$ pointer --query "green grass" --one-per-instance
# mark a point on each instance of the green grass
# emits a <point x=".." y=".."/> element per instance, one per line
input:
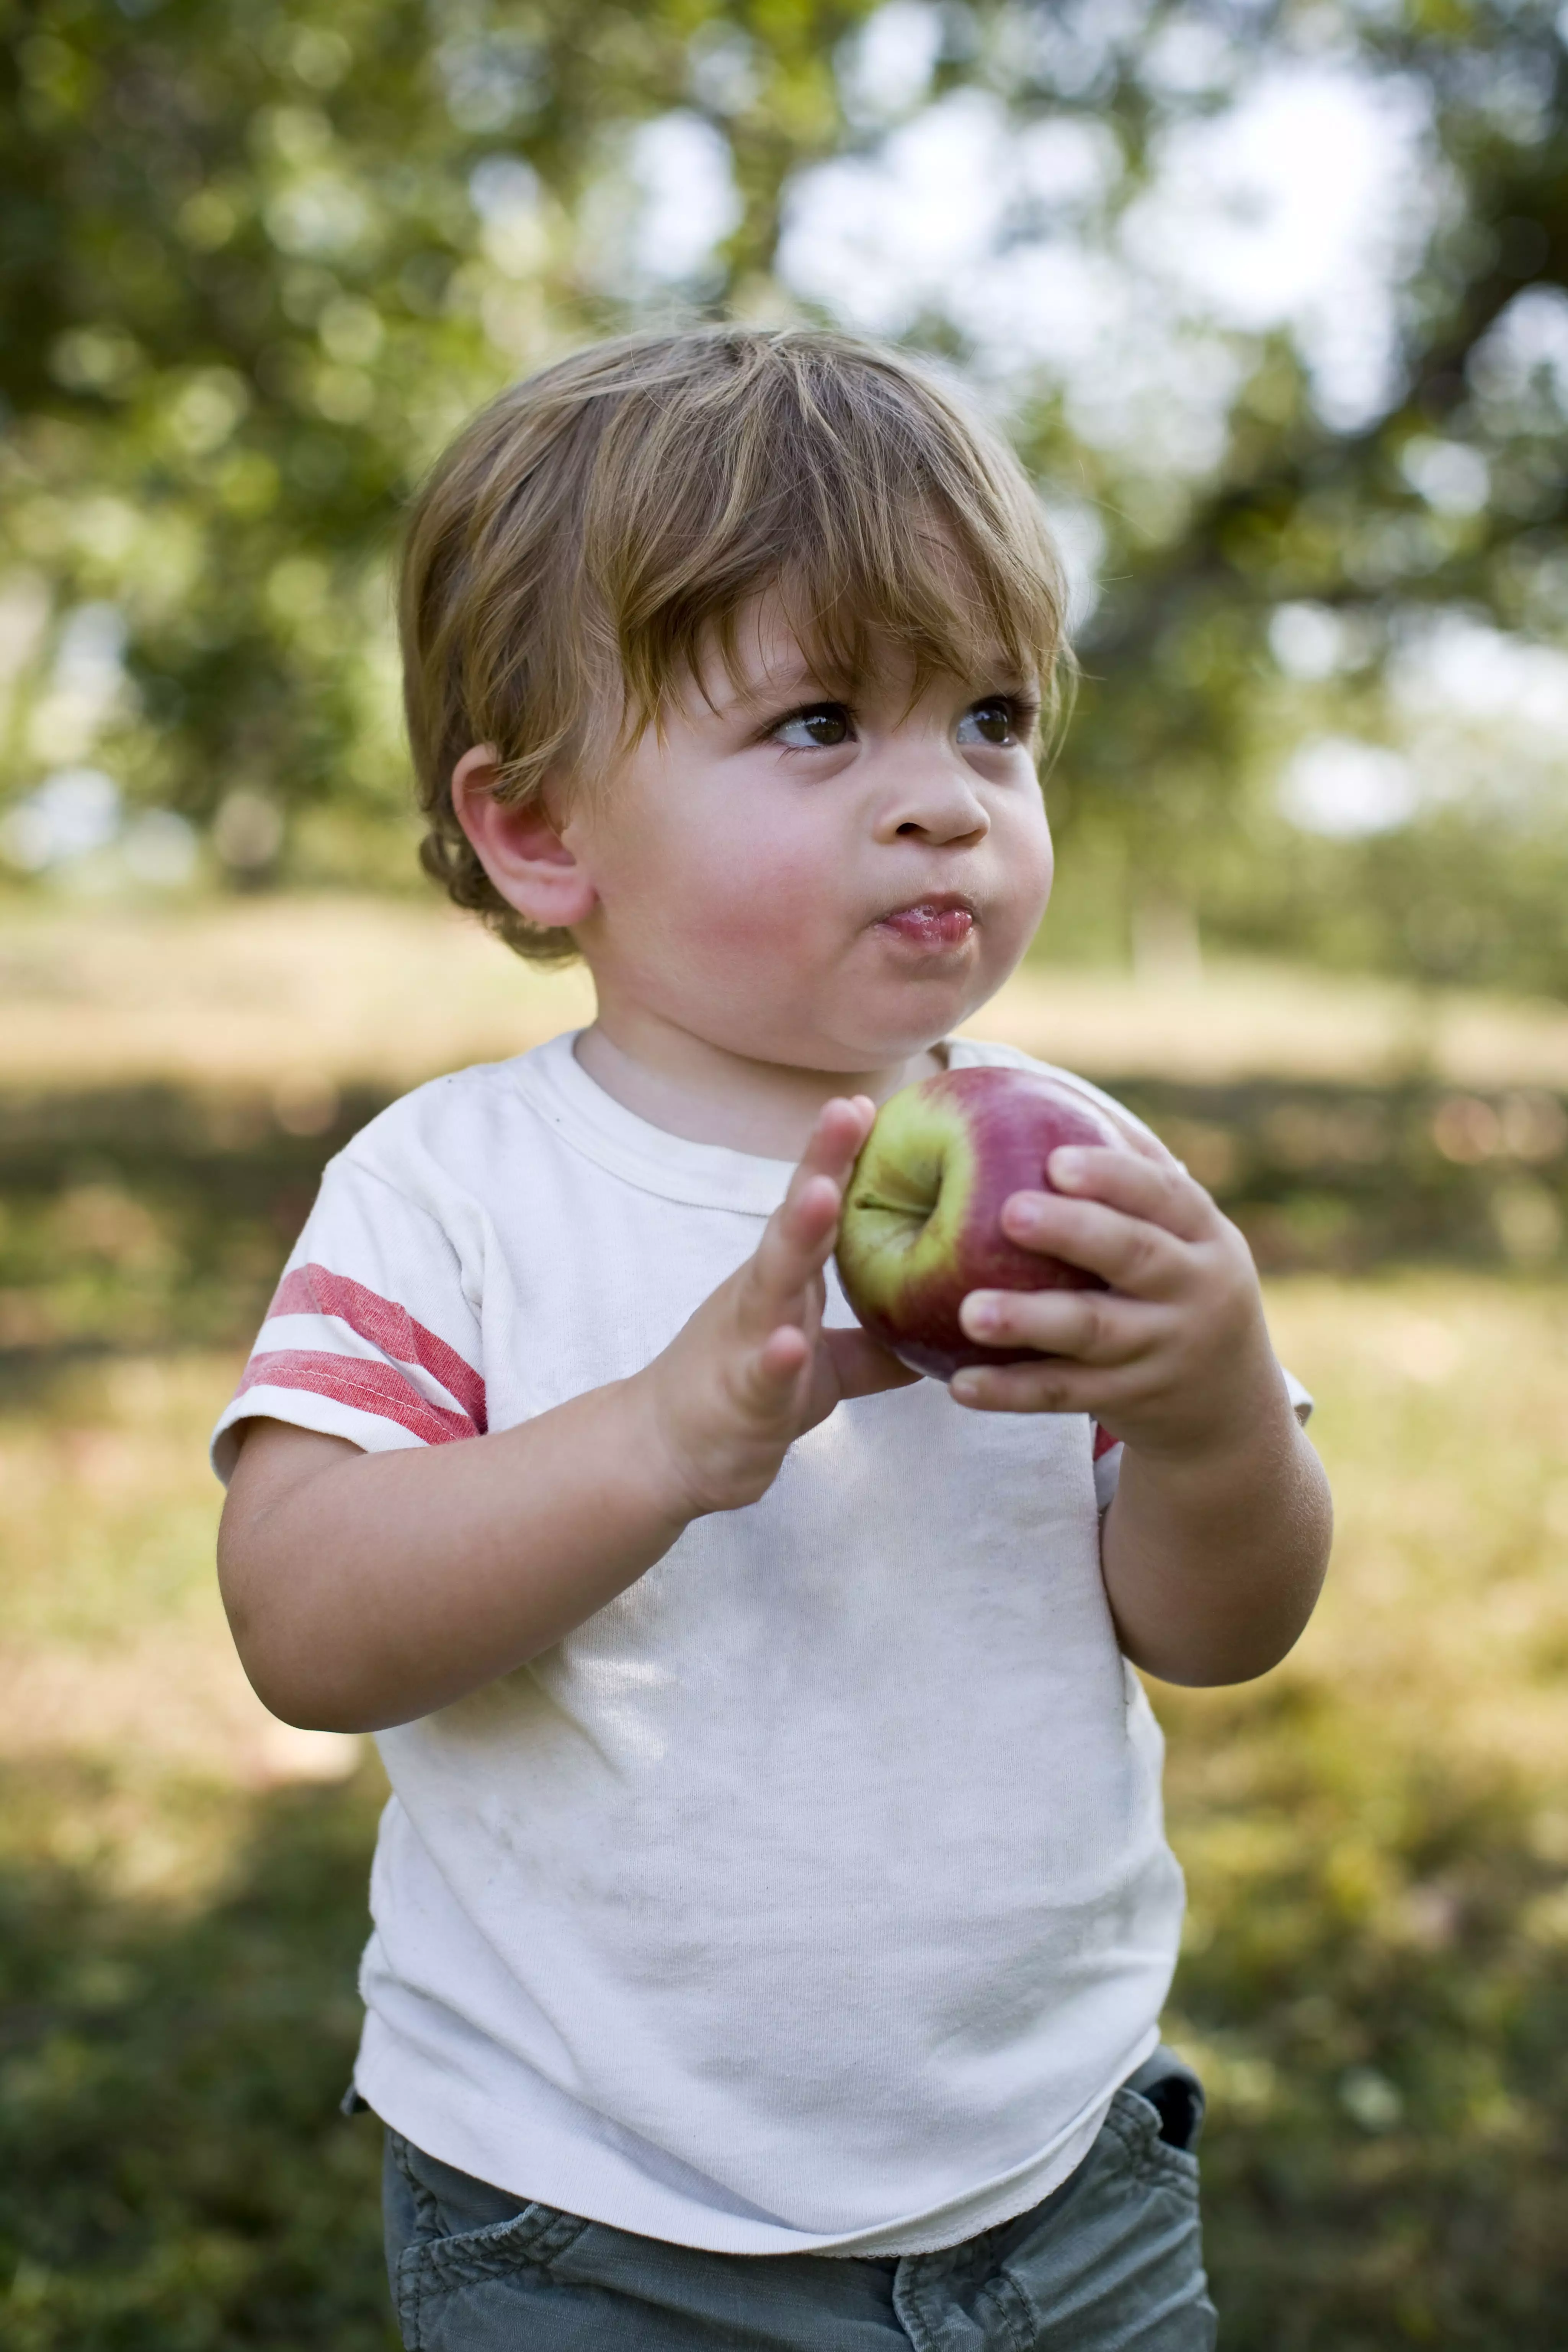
<point x="173" y="2176"/>
<point x="107" y="1509"/>
<point x="1375" y="1839"/>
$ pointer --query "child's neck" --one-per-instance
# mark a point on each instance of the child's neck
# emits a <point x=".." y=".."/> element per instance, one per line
<point x="706" y="1094"/>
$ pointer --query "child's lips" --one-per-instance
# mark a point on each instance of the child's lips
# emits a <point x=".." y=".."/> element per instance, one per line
<point x="934" y="926"/>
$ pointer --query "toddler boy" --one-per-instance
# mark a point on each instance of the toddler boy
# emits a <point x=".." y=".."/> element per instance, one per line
<point x="772" y="1913"/>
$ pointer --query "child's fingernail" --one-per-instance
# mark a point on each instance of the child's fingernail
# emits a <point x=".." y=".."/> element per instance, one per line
<point x="964" y="1386"/>
<point x="979" y="1314"/>
<point x="1065" y="1166"/>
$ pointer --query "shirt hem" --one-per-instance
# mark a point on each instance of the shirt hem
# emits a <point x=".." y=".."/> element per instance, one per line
<point x="951" y="2223"/>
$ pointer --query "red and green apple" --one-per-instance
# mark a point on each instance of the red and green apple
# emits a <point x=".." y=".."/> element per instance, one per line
<point x="921" y="1225"/>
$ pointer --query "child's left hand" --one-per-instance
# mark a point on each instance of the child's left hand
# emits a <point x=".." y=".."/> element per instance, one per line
<point x="1215" y="1545"/>
<point x="1175" y="1356"/>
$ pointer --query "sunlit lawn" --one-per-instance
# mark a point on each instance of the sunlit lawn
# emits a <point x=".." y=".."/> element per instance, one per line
<point x="1375" y="1839"/>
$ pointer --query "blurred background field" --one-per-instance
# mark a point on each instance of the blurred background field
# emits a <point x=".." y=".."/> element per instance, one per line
<point x="1376" y="1835"/>
<point x="1273" y="296"/>
<point x="1375" y="1839"/>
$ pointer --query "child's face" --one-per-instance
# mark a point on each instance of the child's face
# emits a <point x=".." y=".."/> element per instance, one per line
<point x="792" y="877"/>
<point x="812" y="882"/>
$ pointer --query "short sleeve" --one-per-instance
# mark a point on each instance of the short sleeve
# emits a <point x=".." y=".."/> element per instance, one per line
<point x="370" y="1335"/>
<point x="1108" y="1452"/>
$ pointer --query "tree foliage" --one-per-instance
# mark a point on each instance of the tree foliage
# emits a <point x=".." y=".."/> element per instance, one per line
<point x="1447" y="501"/>
<point x="262" y="254"/>
<point x="262" y="258"/>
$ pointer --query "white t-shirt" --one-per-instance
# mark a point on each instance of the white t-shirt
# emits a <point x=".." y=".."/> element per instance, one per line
<point x="813" y="1895"/>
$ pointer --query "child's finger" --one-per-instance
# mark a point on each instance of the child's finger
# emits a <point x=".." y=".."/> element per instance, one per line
<point x="793" y="1248"/>
<point x="1092" y="1327"/>
<point x="778" y="1361"/>
<point x="834" y="1143"/>
<point x="1160" y="1191"/>
<point x="799" y="1234"/>
<point x="1141" y="1259"/>
<point x="1141" y="1141"/>
<point x="1056" y="1384"/>
<point x="863" y="1366"/>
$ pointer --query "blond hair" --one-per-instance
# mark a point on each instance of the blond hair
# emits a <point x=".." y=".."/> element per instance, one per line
<point x="597" y="532"/>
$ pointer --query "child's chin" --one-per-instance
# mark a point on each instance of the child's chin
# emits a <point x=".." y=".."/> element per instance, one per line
<point x="925" y="1000"/>
<point x="881" y="1046"/>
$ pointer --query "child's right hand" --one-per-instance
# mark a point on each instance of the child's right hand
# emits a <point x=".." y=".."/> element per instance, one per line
<point x="753" y="1369"/>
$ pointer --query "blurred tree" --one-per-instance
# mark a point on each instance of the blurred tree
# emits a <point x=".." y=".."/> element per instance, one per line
<point x="1288" y="587"/>
<point x="260" y="259"/>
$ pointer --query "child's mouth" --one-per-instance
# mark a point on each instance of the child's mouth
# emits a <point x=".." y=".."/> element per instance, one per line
<point x="934" y="925"/>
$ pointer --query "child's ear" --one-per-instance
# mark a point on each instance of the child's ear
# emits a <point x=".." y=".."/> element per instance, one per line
<point x="521" y="849"/>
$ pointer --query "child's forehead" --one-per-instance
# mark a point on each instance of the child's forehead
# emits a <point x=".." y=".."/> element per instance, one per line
<point x="764" y="651"/>
<point x="765" y="655"/>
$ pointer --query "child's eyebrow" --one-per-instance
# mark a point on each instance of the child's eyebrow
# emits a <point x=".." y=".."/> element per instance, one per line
<point x="798" y="683"/>
<point x="777" y="686"/>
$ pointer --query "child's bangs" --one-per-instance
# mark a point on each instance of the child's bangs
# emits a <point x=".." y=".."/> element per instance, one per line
<point x="854" y="493"/>
<point x="919" y="594"/>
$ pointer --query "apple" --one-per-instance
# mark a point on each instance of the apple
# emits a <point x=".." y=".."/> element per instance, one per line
<point x="922" y="1223"/>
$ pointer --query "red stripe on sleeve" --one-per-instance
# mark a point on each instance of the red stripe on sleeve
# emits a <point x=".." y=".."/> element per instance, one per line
<point x="314" y="1290"/>
<point x="1104" y="1442"/>
<point x="354" y="1381"/>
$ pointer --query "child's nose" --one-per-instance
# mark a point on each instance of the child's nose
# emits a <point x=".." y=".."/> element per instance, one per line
<point x="932" y="797"/>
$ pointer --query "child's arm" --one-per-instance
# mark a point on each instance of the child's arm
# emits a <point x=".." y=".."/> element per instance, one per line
<point x="1216" y="1543"/>
<point x="366" y="1589"/>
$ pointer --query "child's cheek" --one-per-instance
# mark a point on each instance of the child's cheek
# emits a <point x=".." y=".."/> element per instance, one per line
<point x="763" y="905"/>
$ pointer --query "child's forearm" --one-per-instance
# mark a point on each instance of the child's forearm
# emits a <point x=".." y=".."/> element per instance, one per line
<point x="1212" y="1565"/>
<point x="366" y="1589"/>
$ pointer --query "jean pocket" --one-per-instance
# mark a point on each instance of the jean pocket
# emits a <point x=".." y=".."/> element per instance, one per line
<point x="1175" y="2091"/>
<point x="442" y="2262"/>
<point x="1141" y="2129"/>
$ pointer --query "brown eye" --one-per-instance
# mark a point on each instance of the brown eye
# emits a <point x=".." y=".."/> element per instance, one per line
<point x="992" y="722"/>
<point x="820" y="729"/>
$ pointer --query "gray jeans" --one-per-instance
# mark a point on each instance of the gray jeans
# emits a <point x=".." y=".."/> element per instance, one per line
<point x="1111" y="2262"/>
